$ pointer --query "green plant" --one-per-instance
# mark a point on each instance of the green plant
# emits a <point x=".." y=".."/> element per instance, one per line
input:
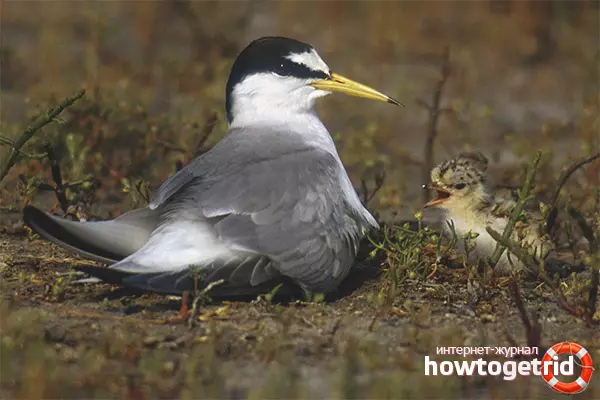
<point x="411" y="254"/>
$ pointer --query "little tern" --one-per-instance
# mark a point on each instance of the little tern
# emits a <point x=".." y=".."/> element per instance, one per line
<point x="466" y="199"/>
<point x="270" y="200"/>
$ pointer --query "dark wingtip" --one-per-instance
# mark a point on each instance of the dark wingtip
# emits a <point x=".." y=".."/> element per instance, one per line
<point x="53" y="229"/>
<point x="32" y="214"/>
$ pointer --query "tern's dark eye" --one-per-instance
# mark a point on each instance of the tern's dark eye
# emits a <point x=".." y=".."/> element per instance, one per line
<point x="460" y="186"/>
<point x="281" y="69"/>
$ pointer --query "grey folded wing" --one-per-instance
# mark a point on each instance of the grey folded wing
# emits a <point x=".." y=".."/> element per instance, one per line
<point x="290" y="206"/>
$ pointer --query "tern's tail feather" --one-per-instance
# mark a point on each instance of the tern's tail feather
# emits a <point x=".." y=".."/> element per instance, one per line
<point x="105" y="241"/>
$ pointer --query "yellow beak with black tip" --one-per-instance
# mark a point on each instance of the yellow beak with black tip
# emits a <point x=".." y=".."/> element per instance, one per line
<point x="339" y="83"/>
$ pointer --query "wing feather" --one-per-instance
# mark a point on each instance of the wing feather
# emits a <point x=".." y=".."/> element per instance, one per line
<point x="289" y="206"/>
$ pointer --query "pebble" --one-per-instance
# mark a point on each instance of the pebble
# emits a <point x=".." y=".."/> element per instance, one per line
<point x="152" y="341"/>
<point x="68" y="355"/>
<point x="169" y="367"/>
<point x="487" y="318"/>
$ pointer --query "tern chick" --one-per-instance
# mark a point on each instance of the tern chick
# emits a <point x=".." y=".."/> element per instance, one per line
<point x="466" y="199"/>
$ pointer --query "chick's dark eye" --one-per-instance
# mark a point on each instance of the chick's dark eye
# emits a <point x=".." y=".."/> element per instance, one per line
<point x="460" y="186"/>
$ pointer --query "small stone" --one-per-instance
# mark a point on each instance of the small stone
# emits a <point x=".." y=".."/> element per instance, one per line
<point x="168" y="345"/>
<point x="151" y="341"/>
<point x="399" y="313"/>
<point x="487" y="318"/>
<point x="68" y="355"/>
<point x="169" y="367"/>
<point x="485" y="308"/>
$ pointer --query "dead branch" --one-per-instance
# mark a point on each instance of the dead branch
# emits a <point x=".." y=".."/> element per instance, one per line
<point x="368" y="194"/>
<point x="434" y="114"/>
<point x="586" y="229"/>
<point x="39" y="123"/>
<point x="551" y="218"/>
<point x="534" y="267"/>
<point x="59" y="188"/>
<point x="67" y="185"/>
<point x="533" y="329"/>
<point x="10" y="143"/>
<point x="200" y="296"/>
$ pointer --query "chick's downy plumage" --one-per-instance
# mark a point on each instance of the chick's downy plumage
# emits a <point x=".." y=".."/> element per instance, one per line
<point x="466" y="199"/>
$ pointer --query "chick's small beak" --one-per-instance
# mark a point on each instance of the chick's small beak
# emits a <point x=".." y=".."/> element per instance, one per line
<point x="442" y="195"/>
<point x="339" y="83"/>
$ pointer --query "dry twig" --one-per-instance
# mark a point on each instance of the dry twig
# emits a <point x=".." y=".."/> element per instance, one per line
<point x="368" y="195"/>
<point x="551" y="218"/>
<point x="586" y="229"/>
<point x="35" y="126"/>
<point x="434" y="114"/>
<point x="199" y="296"/>
<point x="59" y="189"/>
<point x="532" y="329"/>
<point x="530" y="263"/>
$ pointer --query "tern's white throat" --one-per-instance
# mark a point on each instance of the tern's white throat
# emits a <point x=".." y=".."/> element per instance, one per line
<point x="264" y="97"/>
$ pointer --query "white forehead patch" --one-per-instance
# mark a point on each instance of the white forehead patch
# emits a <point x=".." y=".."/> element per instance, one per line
<point x="310" y="59"/>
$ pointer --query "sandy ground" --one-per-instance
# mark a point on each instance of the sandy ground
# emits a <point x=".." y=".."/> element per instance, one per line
<point x="96" y="340"/>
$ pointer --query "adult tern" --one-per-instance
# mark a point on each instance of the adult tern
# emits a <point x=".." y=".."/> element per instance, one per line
<point x="270" y="200"/>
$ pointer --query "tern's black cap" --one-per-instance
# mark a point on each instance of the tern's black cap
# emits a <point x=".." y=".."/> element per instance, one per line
<point x="268" y="54"/>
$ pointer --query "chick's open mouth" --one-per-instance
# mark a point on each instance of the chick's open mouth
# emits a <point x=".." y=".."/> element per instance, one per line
<point x="441" y="196"/>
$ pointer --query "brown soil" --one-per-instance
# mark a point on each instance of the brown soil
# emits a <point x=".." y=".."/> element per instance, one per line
<point x="98" y="340"/>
